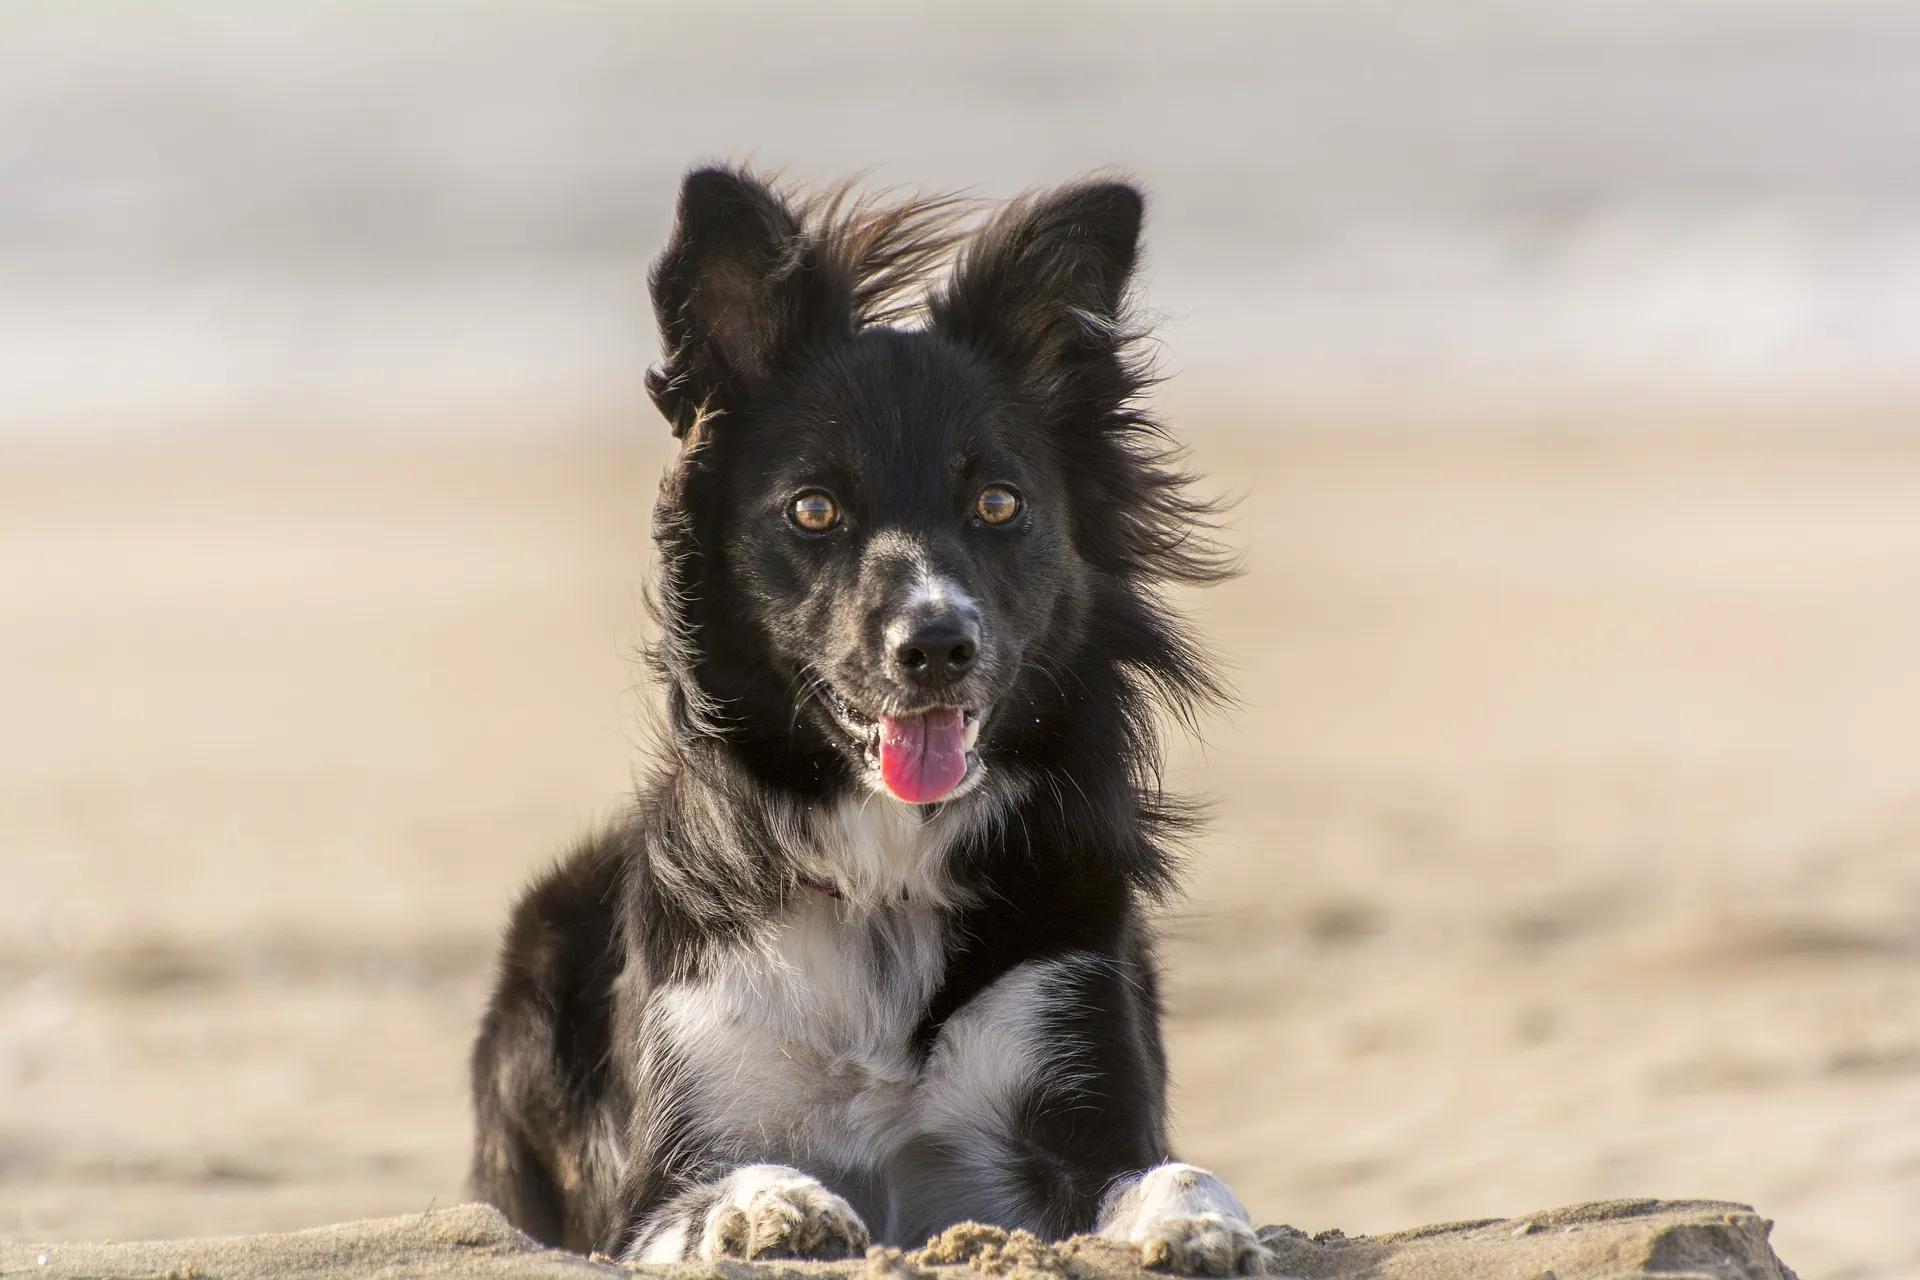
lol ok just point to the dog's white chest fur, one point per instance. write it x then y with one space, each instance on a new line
805 1039
803 1045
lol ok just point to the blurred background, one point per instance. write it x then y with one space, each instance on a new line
1566 361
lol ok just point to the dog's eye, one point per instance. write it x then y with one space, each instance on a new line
997 504
814 511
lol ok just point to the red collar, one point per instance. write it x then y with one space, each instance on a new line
819 886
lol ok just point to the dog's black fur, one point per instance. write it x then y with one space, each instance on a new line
817 346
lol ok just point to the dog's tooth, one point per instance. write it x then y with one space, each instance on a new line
972 732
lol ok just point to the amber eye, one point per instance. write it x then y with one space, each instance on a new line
997 504
814 511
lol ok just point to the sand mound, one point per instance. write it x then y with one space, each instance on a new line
1605 1241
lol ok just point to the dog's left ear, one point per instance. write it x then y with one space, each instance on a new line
739 289
1043 287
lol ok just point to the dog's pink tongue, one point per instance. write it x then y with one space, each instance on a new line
924 756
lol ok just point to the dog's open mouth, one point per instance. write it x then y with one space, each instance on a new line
921 757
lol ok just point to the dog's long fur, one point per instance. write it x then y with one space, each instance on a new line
778 1011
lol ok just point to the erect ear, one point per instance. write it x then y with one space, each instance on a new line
738 289
1043 287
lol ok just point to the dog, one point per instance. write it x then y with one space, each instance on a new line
872 954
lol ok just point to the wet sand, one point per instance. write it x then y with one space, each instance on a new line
1568 834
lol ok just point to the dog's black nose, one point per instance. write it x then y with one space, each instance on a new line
938 651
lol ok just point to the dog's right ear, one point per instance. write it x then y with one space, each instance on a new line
738 290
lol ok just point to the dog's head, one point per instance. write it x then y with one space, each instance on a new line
893 554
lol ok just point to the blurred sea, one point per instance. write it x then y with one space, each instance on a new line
437 216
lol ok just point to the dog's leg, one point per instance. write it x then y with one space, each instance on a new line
1184 1220
1010 1084
546 1151
757 1211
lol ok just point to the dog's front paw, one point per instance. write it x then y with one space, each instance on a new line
771 1211
1203 1244
1184 1220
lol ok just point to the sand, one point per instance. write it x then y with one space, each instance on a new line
1568 835
1610 1241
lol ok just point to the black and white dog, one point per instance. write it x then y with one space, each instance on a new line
870 957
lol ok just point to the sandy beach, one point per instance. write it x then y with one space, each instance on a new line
1567 840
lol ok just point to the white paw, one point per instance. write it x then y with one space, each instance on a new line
1184 1220
771 1211
1205 1244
